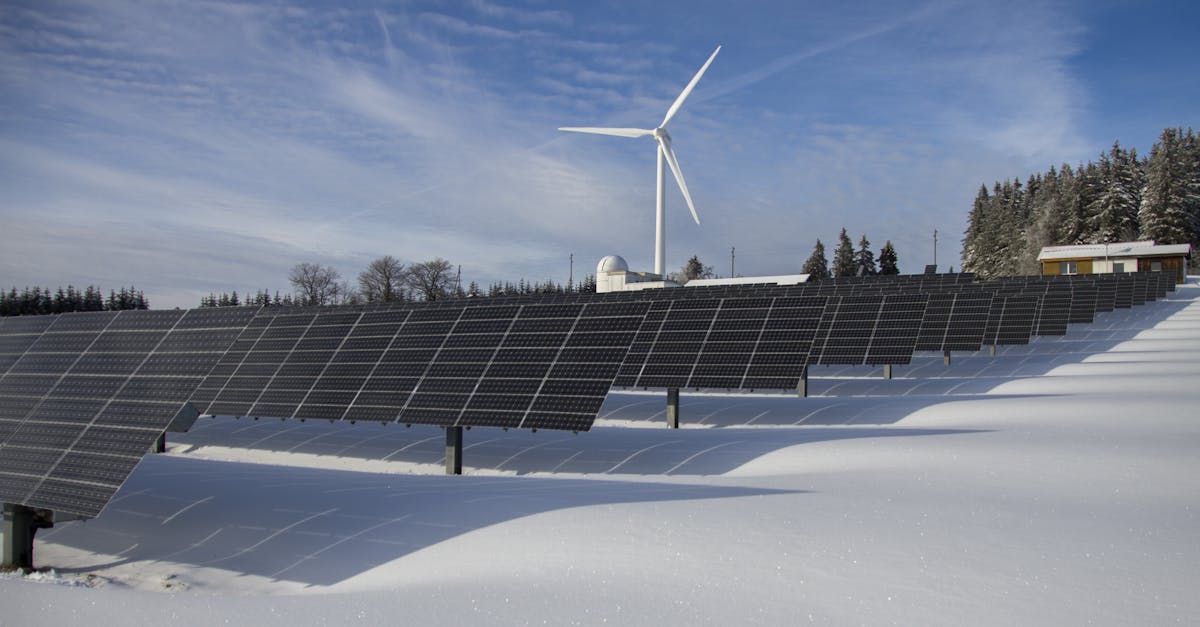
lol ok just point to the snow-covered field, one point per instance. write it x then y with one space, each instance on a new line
1055 484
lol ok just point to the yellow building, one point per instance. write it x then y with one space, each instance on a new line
1143 256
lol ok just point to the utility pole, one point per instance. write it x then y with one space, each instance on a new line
571 273
731 257
935 247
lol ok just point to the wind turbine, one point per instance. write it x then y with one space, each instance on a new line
666 156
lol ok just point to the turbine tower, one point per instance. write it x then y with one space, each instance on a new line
666 156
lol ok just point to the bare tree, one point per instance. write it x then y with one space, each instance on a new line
383 280
315 284
431 280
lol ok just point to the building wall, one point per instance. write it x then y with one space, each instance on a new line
1177 265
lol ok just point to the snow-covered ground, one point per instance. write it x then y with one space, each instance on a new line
1055 483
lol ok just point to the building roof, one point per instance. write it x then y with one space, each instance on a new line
782 279
1117 250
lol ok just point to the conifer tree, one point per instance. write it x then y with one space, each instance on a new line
817 266
843 257
887 260
1167 211
865 260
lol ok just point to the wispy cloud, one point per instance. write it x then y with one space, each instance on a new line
238 138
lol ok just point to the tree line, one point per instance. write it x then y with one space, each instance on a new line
1121 197
38 300
849 261
385 280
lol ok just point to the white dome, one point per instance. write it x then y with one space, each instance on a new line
612 263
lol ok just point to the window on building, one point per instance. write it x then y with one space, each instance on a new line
1156 266
1067 267
1118 266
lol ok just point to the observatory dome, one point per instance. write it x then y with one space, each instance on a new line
612 263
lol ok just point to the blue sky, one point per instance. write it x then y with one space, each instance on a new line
190 147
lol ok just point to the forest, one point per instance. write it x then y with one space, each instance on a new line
1121 197
38 300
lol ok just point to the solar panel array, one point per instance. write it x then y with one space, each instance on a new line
89 395
525 365
83 396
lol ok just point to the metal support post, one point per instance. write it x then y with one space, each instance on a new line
160 444
802 387
20 525
454 439
673 408
946 358
887 371
992 350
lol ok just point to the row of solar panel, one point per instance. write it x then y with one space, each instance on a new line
82 396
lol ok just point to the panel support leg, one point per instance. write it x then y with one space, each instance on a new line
454 437
160 444
20 525
887 371
673 408
946 358
802 387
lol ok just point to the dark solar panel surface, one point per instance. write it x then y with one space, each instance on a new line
732 343
1010 320
1138 292
955 321
869 330
510 365
1084 296
86 400
1054 312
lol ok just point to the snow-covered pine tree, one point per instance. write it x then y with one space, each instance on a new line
1113 211
817 266
1164 215
1045 220
843 257
973 243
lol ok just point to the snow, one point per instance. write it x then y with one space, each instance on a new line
1054 483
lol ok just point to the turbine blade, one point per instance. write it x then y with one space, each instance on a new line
687 90
664 144
619 132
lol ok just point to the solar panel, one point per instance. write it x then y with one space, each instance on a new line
16 335
1011 319
1124 291
1054 310
1137 294
731 343
1106 292
91 394
869 330
509 365
954 321
1084 296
